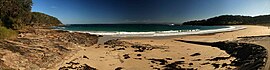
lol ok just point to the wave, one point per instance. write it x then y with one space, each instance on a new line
163 33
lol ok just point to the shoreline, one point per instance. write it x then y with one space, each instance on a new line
175 50
141 53
162 33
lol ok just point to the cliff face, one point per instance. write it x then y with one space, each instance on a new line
41 48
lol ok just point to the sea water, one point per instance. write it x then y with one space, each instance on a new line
126 30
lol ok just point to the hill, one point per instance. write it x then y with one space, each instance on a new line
17 15
232 20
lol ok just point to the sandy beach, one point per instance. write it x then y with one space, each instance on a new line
163 51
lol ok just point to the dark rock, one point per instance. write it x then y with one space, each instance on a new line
156 68
195 54
119 68
182 58
139 48
114 42
120 49
219 58
100 36
153 62
197 60
248 56
73 63
224 64
174 66
81 67
85 57
86 67
168 58
205 63
126 56
215 65
139 54
190 64
138 58
161 61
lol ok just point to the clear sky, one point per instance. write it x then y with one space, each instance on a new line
119 11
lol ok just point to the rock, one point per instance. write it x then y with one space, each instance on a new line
168 58
205 63
155 68
161 61
174 66
122 45
120 49
80 67
139 48
190 64
248 56
215 65
196 60
73 63
195 54
224 65
42 48
182 58
100 36
219 58
139 54
115 42
138 58
119 68
126 56
106 46
85 57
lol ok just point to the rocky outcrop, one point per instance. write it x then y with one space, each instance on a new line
122 45
248 56
77 66
156 63
41 48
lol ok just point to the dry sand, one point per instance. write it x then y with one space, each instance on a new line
109 59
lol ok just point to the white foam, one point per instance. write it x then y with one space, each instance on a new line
163 33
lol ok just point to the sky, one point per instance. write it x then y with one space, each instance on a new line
146 11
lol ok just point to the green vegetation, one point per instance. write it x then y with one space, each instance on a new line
41 19
232 20
7 33
16 15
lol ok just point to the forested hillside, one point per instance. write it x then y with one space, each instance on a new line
231 20
44 20
16 15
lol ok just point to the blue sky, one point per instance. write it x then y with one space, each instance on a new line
120 11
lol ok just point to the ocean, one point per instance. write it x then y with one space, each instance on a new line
126 30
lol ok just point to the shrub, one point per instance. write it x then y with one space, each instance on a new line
7 33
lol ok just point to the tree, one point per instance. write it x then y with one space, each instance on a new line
231 20
15 13
44 20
